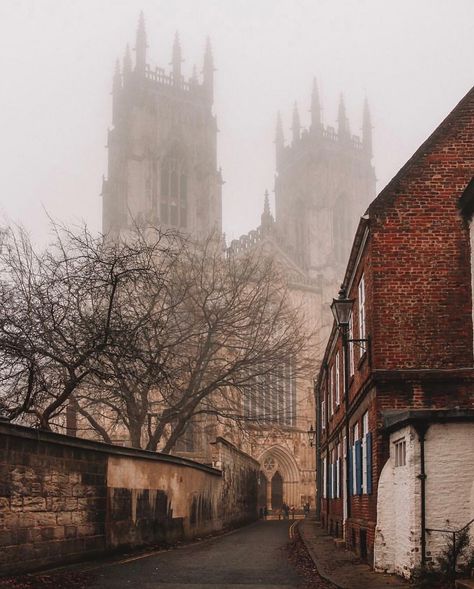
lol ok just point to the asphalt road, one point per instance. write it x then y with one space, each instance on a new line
253 557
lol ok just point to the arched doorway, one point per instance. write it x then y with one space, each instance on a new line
262 491
281 472
277 491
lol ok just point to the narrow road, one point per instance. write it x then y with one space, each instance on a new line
253 557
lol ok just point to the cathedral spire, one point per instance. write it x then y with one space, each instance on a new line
279 139
296 127
367 130
116 92
141 45
208 70
127 62
177 59
343 129
117 81
267 217
315 107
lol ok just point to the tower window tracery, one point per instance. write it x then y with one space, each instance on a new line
174 194
272 396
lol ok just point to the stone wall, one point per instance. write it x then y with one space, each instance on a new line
65 499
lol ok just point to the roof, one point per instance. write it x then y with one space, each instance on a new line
390 190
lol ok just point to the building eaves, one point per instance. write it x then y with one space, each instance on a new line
395 420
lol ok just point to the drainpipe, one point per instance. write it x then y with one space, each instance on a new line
318 447
345 347
421 429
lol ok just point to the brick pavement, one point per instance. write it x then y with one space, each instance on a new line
339 566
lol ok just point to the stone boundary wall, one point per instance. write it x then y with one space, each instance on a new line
64 499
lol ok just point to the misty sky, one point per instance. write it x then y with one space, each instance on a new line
412 58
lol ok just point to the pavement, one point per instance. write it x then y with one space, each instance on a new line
340 566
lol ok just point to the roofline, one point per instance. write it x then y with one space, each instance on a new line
420 152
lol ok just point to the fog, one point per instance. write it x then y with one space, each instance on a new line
413 59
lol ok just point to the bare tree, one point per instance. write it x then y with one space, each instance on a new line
140 335
61 309
221 324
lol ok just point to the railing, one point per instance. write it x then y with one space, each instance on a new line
453 549
158 75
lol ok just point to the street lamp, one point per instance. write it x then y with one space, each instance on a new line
311 433
342 310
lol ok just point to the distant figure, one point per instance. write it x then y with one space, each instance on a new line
306 509
292 512
265 512
260 513
286 510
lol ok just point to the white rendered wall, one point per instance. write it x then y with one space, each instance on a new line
449 465
397 539
449 452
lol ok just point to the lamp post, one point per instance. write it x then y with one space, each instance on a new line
313 439
342 310
311 433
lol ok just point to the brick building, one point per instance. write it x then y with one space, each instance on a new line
406 412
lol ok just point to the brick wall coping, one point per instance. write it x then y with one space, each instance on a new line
20 431
225 442
395 420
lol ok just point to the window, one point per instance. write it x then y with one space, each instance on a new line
335 376
323 414
173 194
355 433
324 477
339 470
355 469
270 397
400 452
337 379
362 331
330 381
365 431
351 346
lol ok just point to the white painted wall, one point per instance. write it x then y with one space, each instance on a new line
449 464
449 451
398 520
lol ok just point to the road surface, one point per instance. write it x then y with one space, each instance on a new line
254 557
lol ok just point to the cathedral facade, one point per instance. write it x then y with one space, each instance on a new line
162 170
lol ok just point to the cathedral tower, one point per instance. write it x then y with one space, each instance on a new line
324 180
162 166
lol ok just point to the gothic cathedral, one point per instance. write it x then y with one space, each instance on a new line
162 170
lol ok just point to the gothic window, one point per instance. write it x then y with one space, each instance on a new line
190 440
271 397
174 194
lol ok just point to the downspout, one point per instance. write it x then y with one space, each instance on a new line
345 348
421 429
318 448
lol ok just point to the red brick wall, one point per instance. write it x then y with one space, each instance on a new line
417 270
419 255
